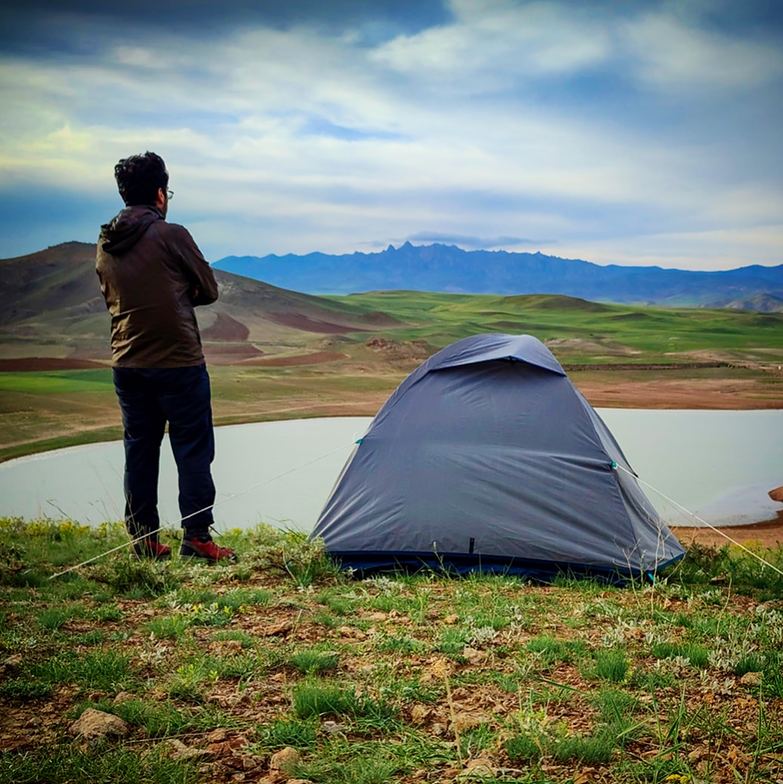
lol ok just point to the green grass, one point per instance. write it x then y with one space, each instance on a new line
313 698
39 409
67 764
696 655
296 733
108 670
314 661
57 382
633 685
654 332
611 666
170 627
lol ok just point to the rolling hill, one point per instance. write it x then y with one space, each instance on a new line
54 307
446 268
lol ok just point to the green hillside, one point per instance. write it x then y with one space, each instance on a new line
579 331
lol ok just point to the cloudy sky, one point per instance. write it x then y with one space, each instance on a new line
629 132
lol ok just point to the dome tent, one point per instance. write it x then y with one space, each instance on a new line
486 457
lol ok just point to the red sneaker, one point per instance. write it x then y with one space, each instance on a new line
152 548
207 550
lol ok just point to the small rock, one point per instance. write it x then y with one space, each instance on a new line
378 616
420 713
123 696
217 736
777 494
276 628
94 725
284 759
468 721
12 663
352 631
451 619
176 749
751 679
478 768
474 656
249 763
333 727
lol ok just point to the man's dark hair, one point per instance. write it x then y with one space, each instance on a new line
139 177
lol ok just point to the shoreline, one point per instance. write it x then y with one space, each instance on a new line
768 533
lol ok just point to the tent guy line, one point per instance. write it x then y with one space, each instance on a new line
327 454
700 519
220 502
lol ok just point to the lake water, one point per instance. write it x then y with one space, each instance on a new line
720 464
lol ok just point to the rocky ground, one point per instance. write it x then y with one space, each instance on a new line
280 668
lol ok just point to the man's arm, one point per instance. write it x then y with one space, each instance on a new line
204 289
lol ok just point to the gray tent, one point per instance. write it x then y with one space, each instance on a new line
487 457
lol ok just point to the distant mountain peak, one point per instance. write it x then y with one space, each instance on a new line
449 268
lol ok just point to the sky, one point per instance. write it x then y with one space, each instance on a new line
639 132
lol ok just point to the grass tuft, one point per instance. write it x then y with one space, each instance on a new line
313 698
611 666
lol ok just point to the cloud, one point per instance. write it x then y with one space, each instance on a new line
496 42
674 55
468 241
498 121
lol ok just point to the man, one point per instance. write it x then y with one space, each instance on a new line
152 275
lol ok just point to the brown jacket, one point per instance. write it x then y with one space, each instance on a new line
152 275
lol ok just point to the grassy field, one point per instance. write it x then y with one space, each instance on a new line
585 332
618 355
215 670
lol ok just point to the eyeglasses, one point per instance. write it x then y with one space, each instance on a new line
170 195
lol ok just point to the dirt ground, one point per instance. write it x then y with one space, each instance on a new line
767 534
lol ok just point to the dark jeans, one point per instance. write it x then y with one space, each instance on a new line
150 397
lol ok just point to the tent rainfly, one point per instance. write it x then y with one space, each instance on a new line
488 458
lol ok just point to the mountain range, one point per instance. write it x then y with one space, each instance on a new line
447 268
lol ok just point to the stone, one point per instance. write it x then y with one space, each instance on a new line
420 713
468 721
751 679
123 696
95 724
777 494
282 627
474 656
333 727
478 768
451 619
10 665
176 749
13 662
284 759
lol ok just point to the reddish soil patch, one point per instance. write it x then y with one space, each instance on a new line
225 328
768 534
726 394
230 353
305 323
47 363
300 359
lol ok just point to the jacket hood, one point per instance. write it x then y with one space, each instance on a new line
127 228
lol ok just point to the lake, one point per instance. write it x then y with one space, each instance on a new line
719 464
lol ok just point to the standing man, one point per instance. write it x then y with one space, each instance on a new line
152 275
